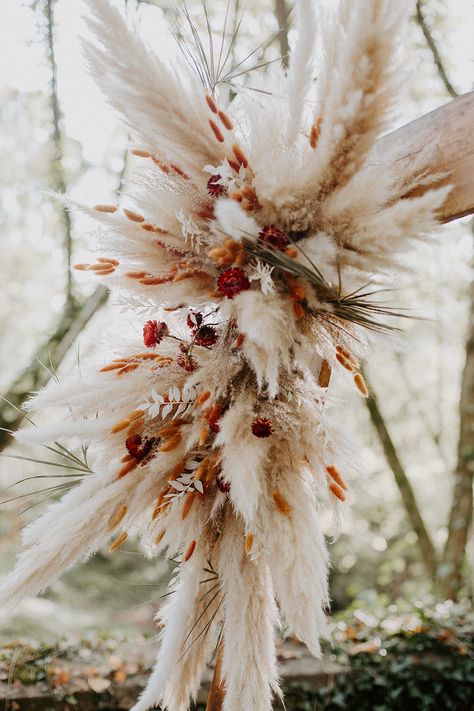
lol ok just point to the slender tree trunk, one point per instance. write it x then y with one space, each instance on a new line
460 516
427 547
57 177
430 41
49 355
76 314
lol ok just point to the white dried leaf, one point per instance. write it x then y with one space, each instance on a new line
174 394
181 408
193 464
177 485
166 410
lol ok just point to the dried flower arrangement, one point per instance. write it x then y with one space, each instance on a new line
250 239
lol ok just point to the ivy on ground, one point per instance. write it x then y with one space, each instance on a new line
420 658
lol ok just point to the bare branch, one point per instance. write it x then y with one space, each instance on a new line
37 374
427 547
430 41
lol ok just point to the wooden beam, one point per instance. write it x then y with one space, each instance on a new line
447 136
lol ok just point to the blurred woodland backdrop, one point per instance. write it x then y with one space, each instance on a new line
408 540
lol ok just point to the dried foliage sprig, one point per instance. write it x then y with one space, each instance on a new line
258 255
357 307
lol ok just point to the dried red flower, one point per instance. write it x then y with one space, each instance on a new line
205 336
214 187
261 427
138 446
154 332
232 281
273 236
222 485
194 319
187 362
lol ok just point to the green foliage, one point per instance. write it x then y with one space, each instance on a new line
420 659
402 657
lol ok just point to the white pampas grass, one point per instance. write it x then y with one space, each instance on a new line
233 221
355 84
244 458
177 617
299 568
250 617
209 433
268 340
165 112
301 66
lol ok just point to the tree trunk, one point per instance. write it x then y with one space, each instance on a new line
57 178
430 41
460 517
37 374
427 548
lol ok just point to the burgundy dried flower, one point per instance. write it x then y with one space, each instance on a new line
273 236
187 362
232 281
205 336
139 446
222 485
194 319
261 427
214 187
154 332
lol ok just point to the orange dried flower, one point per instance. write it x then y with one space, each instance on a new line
189 551
225 120
248 542
282 504
201 399
160 537
216 131
188 502
117 517
106 208
133 216
337 491
212 104
361 385
119 541
336 475
240 155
